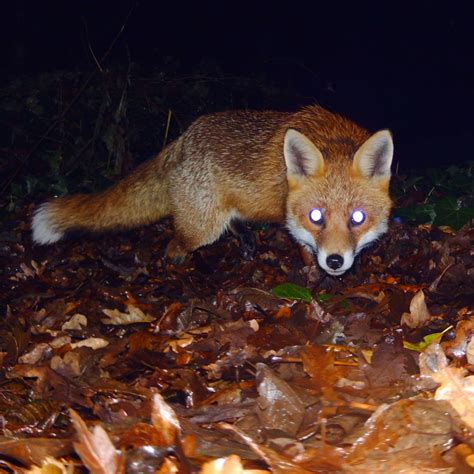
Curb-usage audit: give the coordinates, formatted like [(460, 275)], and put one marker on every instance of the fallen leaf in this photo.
[(165, 421), (279, 407), (92, 342), (95, 448), (419, 314), (51, 465), (426, 341), (33, 450), (455, 388), (407, 431), (133, 315), (77, 322), (229, 465), (290, 291)]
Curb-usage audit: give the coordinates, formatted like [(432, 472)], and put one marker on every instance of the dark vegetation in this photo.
[(268, 360)]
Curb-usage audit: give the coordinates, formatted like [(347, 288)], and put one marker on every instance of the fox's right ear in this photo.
[(302, 157)]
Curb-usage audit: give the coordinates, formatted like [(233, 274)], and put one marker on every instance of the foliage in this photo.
[(65, 131), (292, 292), (442, 197)]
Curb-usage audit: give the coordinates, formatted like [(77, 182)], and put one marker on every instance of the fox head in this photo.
[(337, 205)]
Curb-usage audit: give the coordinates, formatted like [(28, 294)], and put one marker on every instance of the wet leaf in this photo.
[(279, 405), (34, 450), (95, 448), (165, 421)]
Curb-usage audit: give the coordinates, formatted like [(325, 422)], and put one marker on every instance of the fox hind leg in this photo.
[(190, 234)]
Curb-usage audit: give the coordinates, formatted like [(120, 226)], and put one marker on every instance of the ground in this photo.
[(181, 365)]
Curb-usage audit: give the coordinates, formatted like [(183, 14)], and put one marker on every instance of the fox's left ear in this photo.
[(374, 157)]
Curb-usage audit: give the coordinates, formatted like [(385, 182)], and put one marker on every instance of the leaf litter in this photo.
[(222, 365)]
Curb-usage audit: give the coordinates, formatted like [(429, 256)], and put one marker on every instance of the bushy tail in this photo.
[(139, 199)]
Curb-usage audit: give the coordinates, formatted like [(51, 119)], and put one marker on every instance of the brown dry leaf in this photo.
[(95, 448), (51, 465), (229, 465), (77, 322), (318, 363), (53, 385), (279, 407), (60, 341), (140, 434), (68, 365), (277, 463), (456, 389), (387, 365), (92, 342), (185, 339), (165, 421), (415, 460), (407, 431), (168, 467), (133, 315), (38, 352), (432, 360), (419, 314), (34, 450)]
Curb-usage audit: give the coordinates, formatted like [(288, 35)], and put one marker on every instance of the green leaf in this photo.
[(290, 291), (422, 214), (426, 341), (323, 297), (450, 211)]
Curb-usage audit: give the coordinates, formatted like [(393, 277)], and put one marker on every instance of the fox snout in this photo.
[(336, 260), (335, 263)]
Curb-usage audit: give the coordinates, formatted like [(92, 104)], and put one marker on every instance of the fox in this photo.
[(314, 171)]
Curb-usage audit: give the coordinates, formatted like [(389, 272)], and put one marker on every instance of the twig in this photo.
[(90, 46)]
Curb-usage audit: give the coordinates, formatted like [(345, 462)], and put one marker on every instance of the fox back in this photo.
[(317, 172)]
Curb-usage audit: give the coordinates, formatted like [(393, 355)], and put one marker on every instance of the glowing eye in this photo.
[(316, 216), (357, 217)]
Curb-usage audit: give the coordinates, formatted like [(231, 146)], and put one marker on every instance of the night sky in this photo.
[(408, 66)]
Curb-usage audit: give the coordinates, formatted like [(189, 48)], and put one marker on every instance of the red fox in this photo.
[(320, 174)]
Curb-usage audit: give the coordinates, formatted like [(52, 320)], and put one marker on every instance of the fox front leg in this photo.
[(246, 236)]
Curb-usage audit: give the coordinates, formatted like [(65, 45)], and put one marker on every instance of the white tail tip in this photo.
[(42, 226)]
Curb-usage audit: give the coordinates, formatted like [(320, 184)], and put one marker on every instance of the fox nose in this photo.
[(335, 261)]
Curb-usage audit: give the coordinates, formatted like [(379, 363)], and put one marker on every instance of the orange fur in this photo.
[(255, 166)]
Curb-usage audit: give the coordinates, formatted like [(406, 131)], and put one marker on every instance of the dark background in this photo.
[(406, 66)]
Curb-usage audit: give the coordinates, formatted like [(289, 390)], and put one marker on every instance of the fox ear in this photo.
[(302, 157), (374, 157)]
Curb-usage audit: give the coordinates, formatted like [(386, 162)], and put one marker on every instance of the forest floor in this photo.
[(114, 359)]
